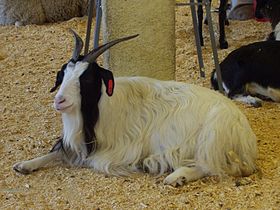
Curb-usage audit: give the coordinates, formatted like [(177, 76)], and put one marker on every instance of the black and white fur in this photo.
[(250, 71), (145, 125), (272, 11)]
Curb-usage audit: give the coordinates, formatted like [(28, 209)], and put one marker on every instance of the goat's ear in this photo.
[(108, 79)]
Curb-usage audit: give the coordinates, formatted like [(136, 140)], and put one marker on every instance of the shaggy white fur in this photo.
[(157, 127), (72, 119), (23, 12), (161, 126)]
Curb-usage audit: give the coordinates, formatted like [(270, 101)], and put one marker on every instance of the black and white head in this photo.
[(80, 81), (80, 72)]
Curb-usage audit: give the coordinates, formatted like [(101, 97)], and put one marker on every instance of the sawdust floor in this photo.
[(29, 59)]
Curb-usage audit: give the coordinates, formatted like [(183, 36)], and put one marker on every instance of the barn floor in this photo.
[(29, 59)]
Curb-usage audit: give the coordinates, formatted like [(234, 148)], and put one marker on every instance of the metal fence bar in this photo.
[(214, 46), (197, 40), (192, 4), (89, 22), (98, 23)]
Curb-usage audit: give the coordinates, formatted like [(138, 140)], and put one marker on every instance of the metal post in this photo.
[(213, 44), (197, 40), (89, 22), (97, 25)]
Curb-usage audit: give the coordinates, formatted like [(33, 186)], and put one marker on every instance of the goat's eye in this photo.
[(70, 65)]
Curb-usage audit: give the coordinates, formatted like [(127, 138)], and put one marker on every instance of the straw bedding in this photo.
[(29, 59)]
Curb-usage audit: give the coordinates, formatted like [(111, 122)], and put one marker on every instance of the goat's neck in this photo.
[(73, 135)]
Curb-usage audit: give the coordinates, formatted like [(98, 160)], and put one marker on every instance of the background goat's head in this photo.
[(80, 82), (272, 11)]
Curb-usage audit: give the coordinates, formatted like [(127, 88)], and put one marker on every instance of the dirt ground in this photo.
[(29, 59)]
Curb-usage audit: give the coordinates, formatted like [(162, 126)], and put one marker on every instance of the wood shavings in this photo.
[(29, 59)]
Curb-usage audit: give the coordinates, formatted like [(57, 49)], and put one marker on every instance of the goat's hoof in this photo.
[(20, 168), (254, 101), (201, 43), (205, 21), (223, 44), (226, 22), (174, 180), (257, 104)]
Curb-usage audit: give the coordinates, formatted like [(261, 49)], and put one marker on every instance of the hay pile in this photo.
[(29, 59)]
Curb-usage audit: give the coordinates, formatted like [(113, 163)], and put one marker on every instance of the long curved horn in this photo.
[(78, 45), (93, 55)]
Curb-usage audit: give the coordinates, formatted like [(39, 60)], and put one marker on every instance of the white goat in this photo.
[(23, 12), (146, 125)]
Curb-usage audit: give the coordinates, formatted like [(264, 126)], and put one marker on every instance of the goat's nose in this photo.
[(59, 99)]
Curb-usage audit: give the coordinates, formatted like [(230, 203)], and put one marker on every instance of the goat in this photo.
[(222, 22), (259, 6), (250, 70), (132, 124), (272, 11), (23, 12)]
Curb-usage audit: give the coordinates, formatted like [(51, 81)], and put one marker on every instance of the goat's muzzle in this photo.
[(61, 104)]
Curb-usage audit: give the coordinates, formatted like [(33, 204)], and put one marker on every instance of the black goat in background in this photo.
[(222, 22), (271, 10)]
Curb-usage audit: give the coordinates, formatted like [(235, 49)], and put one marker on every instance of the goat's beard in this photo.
[(73, 135)]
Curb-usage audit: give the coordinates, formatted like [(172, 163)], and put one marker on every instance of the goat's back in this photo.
[(163, 125), (257, 62)]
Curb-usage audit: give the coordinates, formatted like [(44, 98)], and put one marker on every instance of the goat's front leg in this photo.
[(222, 20), (200, 19), (184, 174), (28, 166)]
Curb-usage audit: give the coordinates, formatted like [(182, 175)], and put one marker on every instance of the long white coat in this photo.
[(160, 126), (157, 127)]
